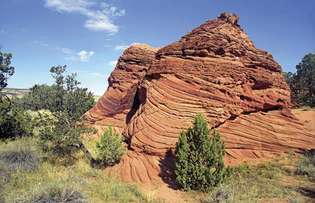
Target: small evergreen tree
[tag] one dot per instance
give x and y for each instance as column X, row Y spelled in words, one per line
column 199, row 157
column 110, row 148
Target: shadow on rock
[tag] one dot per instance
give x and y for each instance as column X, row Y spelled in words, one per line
column 167, row 165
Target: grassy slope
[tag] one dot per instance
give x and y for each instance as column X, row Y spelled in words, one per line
column 274, row 181
column 92, row 183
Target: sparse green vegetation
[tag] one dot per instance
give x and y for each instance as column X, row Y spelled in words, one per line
column 275, row 180
column 56, row 194
column 199, row 157
column 78, row 181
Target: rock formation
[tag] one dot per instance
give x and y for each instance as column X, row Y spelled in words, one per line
column 215, row 70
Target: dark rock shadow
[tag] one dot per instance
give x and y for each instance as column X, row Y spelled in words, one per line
column 167, row 165
column 307, row 192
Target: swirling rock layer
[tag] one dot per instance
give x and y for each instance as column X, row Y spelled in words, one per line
column 215, row 70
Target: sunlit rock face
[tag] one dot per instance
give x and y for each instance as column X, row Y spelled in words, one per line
column 215, row 70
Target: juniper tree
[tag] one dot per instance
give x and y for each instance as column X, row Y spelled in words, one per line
column 199, row 157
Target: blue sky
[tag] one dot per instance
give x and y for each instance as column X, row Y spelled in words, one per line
column 90, row 35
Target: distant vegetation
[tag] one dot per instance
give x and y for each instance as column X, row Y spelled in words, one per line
column 64, row 95
column 15, row 92
column 302, row 83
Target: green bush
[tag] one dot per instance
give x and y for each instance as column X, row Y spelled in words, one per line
column 60, row 137
column 199, row 157
column 110, row 148
column 14, row 121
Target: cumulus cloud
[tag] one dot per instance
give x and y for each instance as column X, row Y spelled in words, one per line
column 72, row 55
column 99, row 15
column 84, row 56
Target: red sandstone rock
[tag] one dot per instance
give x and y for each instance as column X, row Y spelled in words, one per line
column 215, row 70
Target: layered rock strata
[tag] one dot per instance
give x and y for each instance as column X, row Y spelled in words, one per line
column 215, row 70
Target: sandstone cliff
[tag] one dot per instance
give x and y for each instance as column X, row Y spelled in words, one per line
column 215, row 70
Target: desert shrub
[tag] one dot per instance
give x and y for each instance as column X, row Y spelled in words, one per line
column 41, row 119
column 59, row 195
column 60, row 137
column 14, row 121
column 20, row 158
column 199, row 157
column 306, row 165
column 110, row 147
column 220, row 195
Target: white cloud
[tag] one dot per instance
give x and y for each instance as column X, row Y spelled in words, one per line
column 72, row 55
column 68, row 5
column 101, row 24
column 112, row 10
column 98, row 14
column 112, row 63
column 84, row 56
column 122, row 47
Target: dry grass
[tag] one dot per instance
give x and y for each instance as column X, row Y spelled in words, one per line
column 92, row 184
column 275, row 180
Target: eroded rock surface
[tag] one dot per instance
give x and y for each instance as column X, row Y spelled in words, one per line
column 215, row 70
